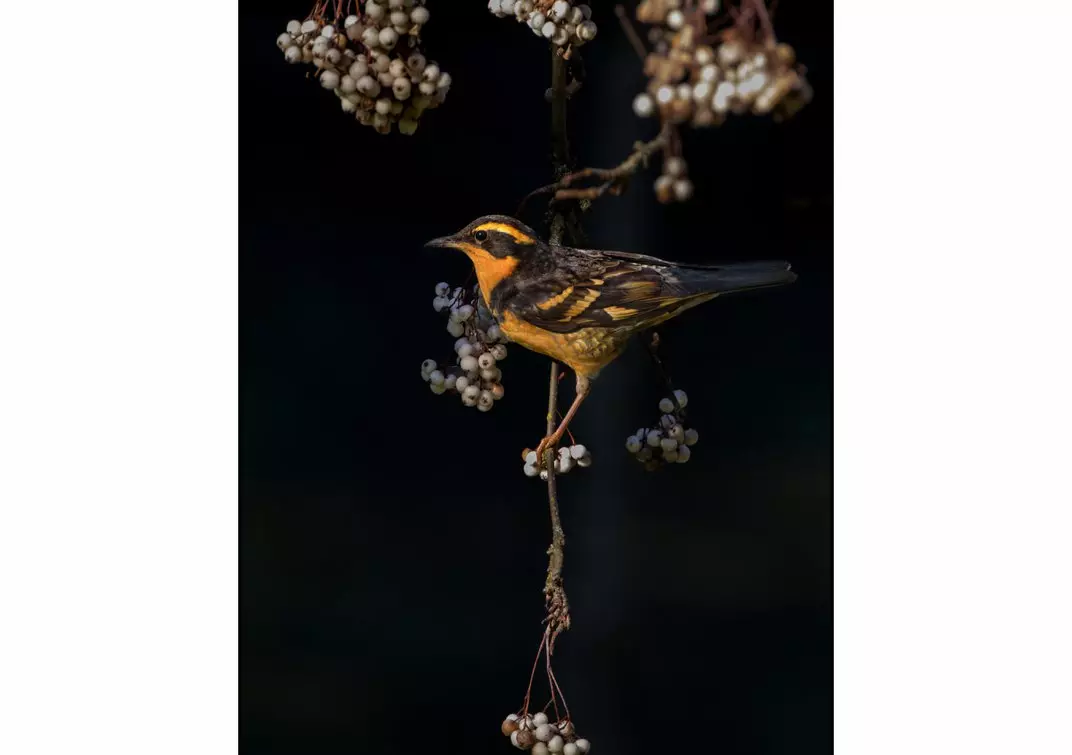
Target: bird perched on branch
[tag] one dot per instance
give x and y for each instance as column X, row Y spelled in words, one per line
column 581, row 306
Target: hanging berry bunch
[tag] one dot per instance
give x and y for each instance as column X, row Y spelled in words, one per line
column 697, row 78
column 573, row 455
column 670, row 441
column 566, row 25
column 475, row 376
column 371, row 59
column 538, row 734
column 673, row 184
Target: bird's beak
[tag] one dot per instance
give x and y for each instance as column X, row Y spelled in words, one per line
column 445, row 242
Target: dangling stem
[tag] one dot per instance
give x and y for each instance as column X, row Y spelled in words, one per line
column 532, row 676
column 664, row 375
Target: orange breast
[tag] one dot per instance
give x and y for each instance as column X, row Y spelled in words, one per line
column 586, row 351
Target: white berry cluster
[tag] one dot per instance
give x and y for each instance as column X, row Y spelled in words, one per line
column 671, row 12
column 669, row 441
column 575, row 455
column 564, row 24
column 475, row 376
column 695, row 83
column 674, row 184
column 372, row 62
column 538, row 734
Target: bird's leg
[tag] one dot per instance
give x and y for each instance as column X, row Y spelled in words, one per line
column 583, row 386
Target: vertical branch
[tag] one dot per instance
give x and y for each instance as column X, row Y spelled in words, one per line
column 559, row 134
column 554, row 593
column 565, row 220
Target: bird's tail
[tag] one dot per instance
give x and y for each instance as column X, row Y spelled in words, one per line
column 741, row 276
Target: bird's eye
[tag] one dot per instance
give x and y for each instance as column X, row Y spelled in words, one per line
column 481, row 235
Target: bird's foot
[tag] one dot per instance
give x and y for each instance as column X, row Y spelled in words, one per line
column 549, row 441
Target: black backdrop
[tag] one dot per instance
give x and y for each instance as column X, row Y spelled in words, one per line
column 392, row 553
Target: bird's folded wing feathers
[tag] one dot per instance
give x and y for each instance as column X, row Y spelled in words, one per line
column 617, row 296
column 619, row 289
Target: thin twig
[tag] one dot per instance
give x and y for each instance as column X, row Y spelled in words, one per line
column 555, row 686
column 532, row 676
column 630, row 32
column 550, row 677
column 611, row 180
column 664, row 375
column 764, row 20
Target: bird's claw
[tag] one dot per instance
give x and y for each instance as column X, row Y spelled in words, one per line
column 548, row 440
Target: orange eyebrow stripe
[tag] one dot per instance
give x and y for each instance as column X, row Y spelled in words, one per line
column 556, row 299
column 509, row 230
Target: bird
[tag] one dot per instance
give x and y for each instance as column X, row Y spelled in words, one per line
column 581, row 307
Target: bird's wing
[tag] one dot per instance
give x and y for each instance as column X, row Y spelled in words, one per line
column 634, row 291
column 604, row 291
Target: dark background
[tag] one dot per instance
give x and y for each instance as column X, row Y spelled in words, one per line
column 392, row 552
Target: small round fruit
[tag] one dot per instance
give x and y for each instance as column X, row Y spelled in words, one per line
column 664, row 189
column 525, row 739
column 329, row 79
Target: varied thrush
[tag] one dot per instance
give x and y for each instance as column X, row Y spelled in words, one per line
column 581, row 306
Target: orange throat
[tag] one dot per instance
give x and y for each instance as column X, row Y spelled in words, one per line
column 490, row 270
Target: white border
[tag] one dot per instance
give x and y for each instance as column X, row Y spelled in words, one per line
column 953, row 383
column 118, row 398
column 118, row 384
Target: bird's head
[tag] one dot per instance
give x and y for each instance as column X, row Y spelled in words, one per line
column 496, row 245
